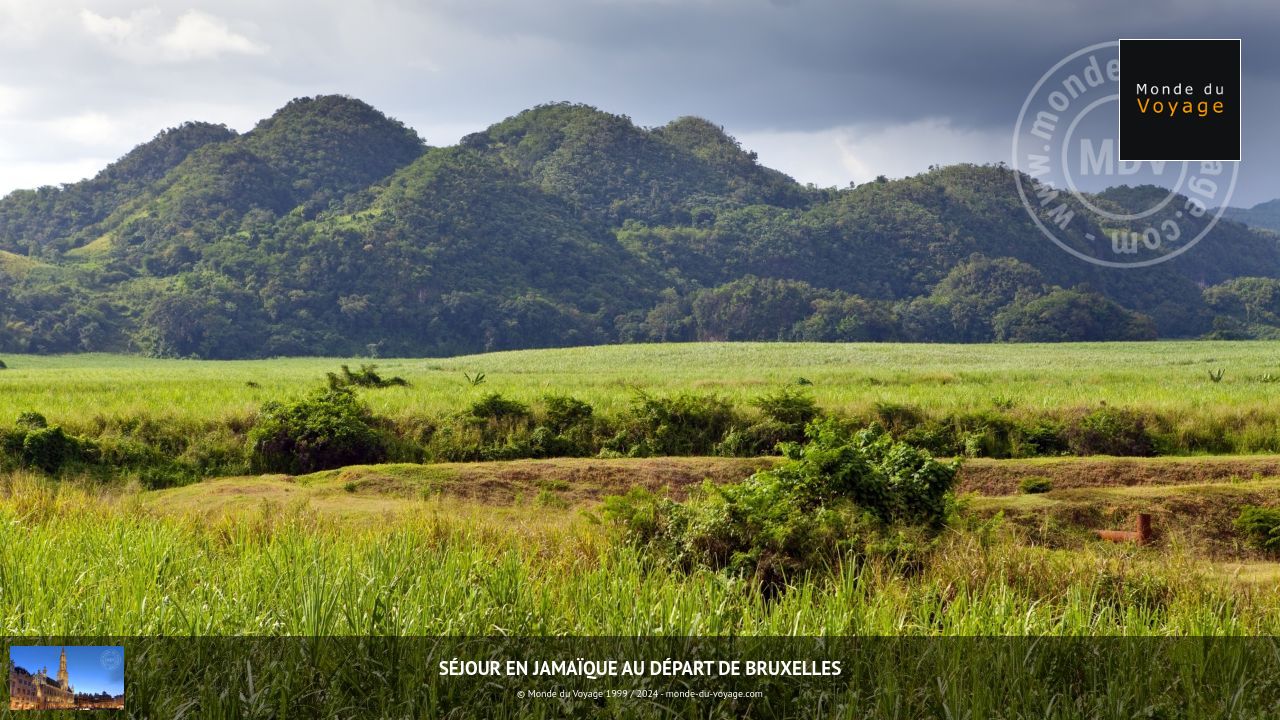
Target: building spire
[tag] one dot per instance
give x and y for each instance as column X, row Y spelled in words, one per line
column 63, row 681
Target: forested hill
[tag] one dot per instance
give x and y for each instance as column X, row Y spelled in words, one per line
column 1264, row 215
column 331, row 229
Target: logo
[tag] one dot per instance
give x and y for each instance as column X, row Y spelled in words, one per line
column 1098, row 208
column 111, row 658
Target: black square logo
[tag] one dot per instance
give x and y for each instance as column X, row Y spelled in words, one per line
column 1179, row 100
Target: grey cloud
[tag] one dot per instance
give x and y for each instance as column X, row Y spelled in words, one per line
column 753, row 65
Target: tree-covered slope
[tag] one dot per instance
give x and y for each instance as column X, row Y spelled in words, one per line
column 331, row 229
column 31, row 220
column 1263, row 215
column 609, row 168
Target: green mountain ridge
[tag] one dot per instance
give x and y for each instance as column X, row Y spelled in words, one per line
column 1265, row 215
column 332, row 229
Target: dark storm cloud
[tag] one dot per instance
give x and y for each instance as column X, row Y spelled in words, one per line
column 810, row 65
column 86, row 80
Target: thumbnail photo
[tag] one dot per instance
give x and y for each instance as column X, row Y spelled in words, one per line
column 88, row 677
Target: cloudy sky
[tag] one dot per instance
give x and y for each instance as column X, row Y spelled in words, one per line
column 829, row 91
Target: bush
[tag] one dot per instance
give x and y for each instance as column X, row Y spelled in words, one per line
column 760, row 438
column 366, row 377
column 1035, row 484
column 34, row 443
column 684, row 424
column 495, row 407
column 789, row 407
column 898, row 417
column 786, row 413
column 328, row 429
column 3, row 366
column 838, row 493
column 32, row 420
column 1043, row 436
column 50, row 448
column 565, row 413
column 1260, row 527
column 1109, row 431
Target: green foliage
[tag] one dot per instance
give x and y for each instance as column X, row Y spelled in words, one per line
column 840, row 492
column 1071, row 316
column 784, row 415
column 788, row 406
column 328, row 229
column 1035, row 484
column 47, row 448
column 1109, row 431
column 366, row 377
column 324, row 430
column 1261, row 527
column 683, row 424
column 32, row 220
column 31, row 420
column 565, row 413
column 1216, row 375
column 495, row 407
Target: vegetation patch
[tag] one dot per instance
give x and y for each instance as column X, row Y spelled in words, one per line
column 1035, row 485
column 1261, row 527
column 366, row 377
column 327, row 429
column 683, row 424
column 838, row 494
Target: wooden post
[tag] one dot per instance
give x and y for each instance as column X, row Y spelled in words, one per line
column 1144, row 528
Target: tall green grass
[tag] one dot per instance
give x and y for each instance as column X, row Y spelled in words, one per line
column 75, row 562
column 1169, row 377
column 176, row 420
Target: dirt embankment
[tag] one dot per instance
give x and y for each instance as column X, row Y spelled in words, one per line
column 576, row 480
column 586, row 480
column 1001, row 477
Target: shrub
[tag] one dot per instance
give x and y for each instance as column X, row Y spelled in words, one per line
column 1043, row 436
column 837, row 493
column 495, row 407
column 549, row 499
column 32, row 420
column 1035, row 484
column 684, row 424
column 49, row 448
column 366, row 376
column 898, row 417
column 788, row 406
column 565, row 413
column 11, row 446
column 1260, row 527
column 984, row 434
column 785, row 415
column 3, row 366
column 1109, row 431
column 760, row 438
column 328, row 429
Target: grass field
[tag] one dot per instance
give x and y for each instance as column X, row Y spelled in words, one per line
column 519, row 547
column 1171, row 377
column 269, row 556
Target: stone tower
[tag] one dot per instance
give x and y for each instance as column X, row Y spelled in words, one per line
column 63, row 682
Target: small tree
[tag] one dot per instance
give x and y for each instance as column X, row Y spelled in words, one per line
column 328, row 429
